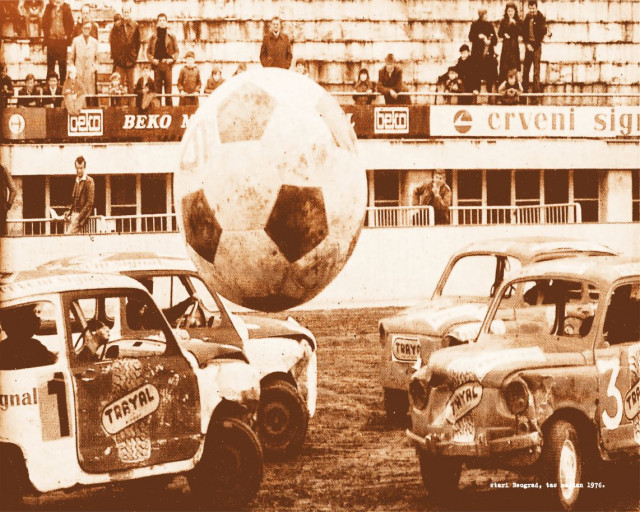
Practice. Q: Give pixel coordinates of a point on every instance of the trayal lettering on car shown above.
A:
(463, 400)
(405, 349)
(132, 407)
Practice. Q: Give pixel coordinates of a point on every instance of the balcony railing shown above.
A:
(377, 217)
(399, 216)
(569, 213)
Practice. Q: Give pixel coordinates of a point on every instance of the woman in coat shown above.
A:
(509, 31)
(84, 56)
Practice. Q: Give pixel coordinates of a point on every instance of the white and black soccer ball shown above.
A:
(270, 191)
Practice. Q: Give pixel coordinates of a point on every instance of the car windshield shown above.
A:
(479, 275)
(553, 307)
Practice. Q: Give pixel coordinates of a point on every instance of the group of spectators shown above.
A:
(478, 69)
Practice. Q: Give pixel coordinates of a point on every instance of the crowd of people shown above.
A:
(73, 46)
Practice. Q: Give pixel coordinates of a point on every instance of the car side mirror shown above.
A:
(113, 352)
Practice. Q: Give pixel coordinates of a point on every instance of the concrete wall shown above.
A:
(389, 266)
(594, 44)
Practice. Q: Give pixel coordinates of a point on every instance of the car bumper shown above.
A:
(436, 443)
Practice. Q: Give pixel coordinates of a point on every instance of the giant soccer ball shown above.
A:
(270, 191)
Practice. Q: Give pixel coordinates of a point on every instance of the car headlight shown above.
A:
(516, 395)
(419, 393)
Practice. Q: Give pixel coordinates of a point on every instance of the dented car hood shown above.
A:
(259, 327)
(495, 358)
(436, 317)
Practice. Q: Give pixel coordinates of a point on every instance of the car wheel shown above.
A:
(230, 472)
(282, 420)
(396, 406)
(440, 475)
(562, 464)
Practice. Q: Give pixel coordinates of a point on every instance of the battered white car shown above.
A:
(455, 311)
(283, 352)
(89, 394)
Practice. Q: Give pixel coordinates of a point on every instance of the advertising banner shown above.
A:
(534, 121)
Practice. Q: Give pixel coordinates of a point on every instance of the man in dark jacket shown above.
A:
(81, 199)
(57, 26)
(125, 45)
(276, 51)
(534, 28)
(437, 194)
(390, 83)
(163, 53)
(465, 70)
(483, 39)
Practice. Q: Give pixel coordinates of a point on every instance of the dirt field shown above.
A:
(352, 459)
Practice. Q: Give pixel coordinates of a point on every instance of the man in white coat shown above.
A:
(84, 56)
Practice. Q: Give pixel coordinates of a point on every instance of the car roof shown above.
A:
(602, 271)
(26, 284)
(532, 248)
(127, 262)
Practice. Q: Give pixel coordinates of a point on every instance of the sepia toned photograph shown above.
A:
(350, 255)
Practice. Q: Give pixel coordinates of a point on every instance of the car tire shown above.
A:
(283, 420)
(229, 474)
(396, 406)
(562, 464)
(440, 476)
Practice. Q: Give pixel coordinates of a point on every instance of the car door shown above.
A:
(617, 356)
(137, 399)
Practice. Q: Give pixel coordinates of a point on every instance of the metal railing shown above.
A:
(399, 216)
(150, 223)
(568, 213)
(376, 217)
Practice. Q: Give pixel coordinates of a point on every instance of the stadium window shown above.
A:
(556, 186)
(527, 187)
(586, 193)
(154, 193)
(635, 195)
(123, 196)
(60, 190)
(469, 194)
(386, 188)
(33, 197)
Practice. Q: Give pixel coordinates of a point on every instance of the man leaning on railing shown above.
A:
(434, 193)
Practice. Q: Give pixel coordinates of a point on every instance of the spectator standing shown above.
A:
(189, 81)
(509, 31)
(483, 41)
(31, 11)
(214, 81)
(84, 56)
(73, 92)
(82, 199)
(276, 50)
(8, 194)
(510, 88)
(52, 89)
(6, 86)
(534, 28)
(435, 193)
(116, 89)
(466, 73)
(57, 26)
(29, 89)
(85, 14)
(364, 85)
(390, 83)
(146, 91)
(125, 46)
(163, 53)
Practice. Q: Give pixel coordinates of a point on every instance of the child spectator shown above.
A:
(464, 67)
(52, 89)
(214, 81)
(146, 91)
(301, 67)
(510, 89)
(116, 89)
(390, 82)
(30, 89)
(73, 91)
(364, 84)
(6, 86)
(453, 85)
(31, 11)
(189, 81)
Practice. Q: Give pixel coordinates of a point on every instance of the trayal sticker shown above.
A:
(464, 399)
(125, 411)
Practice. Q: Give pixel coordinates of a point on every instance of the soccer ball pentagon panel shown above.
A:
(270, 190)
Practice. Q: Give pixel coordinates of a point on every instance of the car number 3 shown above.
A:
(611, 422)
